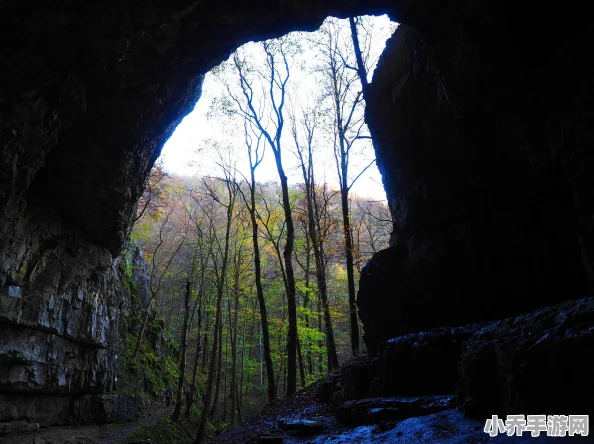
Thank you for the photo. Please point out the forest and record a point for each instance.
(253, 281)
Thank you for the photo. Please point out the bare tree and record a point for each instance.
(184, 345)
(276, 76)
(305, 155)
(347, 106)
(221, 274)
(255, 154)
(160, 266)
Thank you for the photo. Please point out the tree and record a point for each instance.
(255, 156)
(277, 77)
(231, 188)
(167, 237)
(305, 155)
(151, 200)
(184, 344)
(347, 107)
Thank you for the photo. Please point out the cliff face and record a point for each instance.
(484, 142)
(60, 308)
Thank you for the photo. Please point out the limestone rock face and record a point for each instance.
(540, 361)
(488, 176)
(68, 410)
(508, 366)
(63, 303)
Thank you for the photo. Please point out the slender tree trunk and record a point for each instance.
(320, 343)
(206, 350)
(348, 242)
(321, 280)
(260, 293)
(234, 345)
(313, 230)
(220, 370)
(275, 145)
(193, 387)
(291, 304)
(346, 227)
(301, 366)
(184, 346)
(220, 290)
(147, 315)
(226, 366)
(242, 362)
(306, 305)
(238, 404)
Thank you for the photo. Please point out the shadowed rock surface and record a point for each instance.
(488, 176)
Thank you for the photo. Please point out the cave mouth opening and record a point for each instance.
(188, 151)
(315, 83)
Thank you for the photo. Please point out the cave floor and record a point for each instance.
(88, 434)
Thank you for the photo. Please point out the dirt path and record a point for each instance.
(94, 434)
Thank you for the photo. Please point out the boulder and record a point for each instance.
(376, 410)
(423, 363)
(539, 362)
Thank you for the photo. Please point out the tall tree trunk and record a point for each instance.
(301, 366)
(143, 328)
(346, 227)
(220, 291)
(234, 345)
(260, 293)
(313, 230)
(184, 346)
(206, 351)
(320, 344)
(225, 380)
(193, 387)
(306, 305)
(220, 370)
(238, 404)
(348, 243)
(362, 74)
(242, 361)
(291, 304)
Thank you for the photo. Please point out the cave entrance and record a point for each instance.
(188, 152)
(277, 144)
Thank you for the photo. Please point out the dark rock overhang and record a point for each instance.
(89, 92)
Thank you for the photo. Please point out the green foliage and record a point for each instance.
(163, 431)
(127, 270)
(147, 372)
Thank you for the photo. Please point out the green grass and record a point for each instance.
(165, 432)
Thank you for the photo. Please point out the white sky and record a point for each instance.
(180, 153)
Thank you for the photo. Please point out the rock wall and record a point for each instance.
(502, 367)
(61, 305)
(484, 142)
